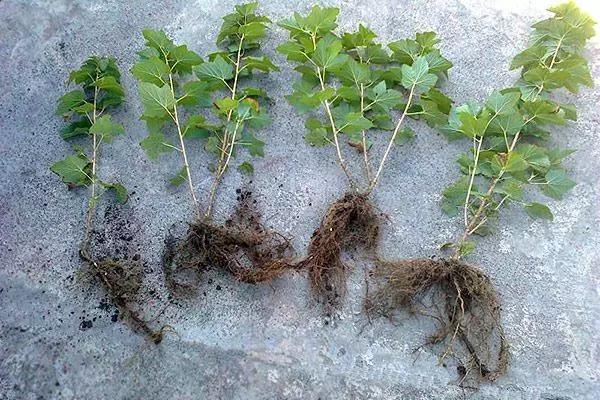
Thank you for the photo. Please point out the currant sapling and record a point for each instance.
(509, 152)
(173, 79)
(359, 87)
(86, 110)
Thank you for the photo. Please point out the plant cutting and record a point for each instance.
(87, 112)
(509, 152)
(352, 86)
(174, 82)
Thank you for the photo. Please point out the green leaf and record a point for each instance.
(363, 37)
(69, 101)
(406, 51)
(317, 134)
(158, 101)
(76, 128)
(105, 129)
(292, 50)
(545, 112)
(253, 30)
(110, 84)
(263, 64)
(432, 114)
(443, 102)
(254, 145)
(180, 177)
(183, 59)
(327, 53)
(319, 20)
(453, 197)
(152, 70)
(354, 122)
(557, 184)
(437, 63)
(535, 156)
(219, 70)
(503, 104)
(386, 98)
(404, 136)
(119, 191)
(74, 170)
(196, 127)
(246, 168)
(507, 125)
(195, 93)
(538, 210)
(515, 163)
(511, 188)
(254, 92)
(532, 55)
(353, 72)
(155, 144)
(467, 248)
(473, 126)
(418, 76)
(157, 40)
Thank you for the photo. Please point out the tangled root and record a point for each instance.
(466, 307)
(122, 283)
(243, 247)
(350, 221)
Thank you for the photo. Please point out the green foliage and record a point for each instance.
(359, 84)
(86, 111)
(175, 83)
(509, 144)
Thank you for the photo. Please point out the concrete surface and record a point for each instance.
(241, 342)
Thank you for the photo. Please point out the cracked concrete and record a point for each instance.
(237, 341)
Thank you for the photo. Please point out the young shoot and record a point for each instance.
(162, 71)
(360, 86)
(86, 111)
(509, 131)
(174, 80)
(240, 112)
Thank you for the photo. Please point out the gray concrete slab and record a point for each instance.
(237, 341)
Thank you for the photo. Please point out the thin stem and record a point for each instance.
(186, 164)
(227, 148)
(92, 201)
(475, 222)
(335, 131)
(392, 139)
(364, 136)
(473, 173)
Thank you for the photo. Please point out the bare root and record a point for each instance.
(464, 303)
(350, 221)
(243, 247)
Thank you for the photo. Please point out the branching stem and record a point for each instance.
(186, 164)
(228, 145)
(335, 131)
(392, 139)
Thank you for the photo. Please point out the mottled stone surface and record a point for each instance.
(57, 335)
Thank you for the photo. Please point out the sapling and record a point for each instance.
(509, 152)
(173, 82)
(86, 111)
(358, 87)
